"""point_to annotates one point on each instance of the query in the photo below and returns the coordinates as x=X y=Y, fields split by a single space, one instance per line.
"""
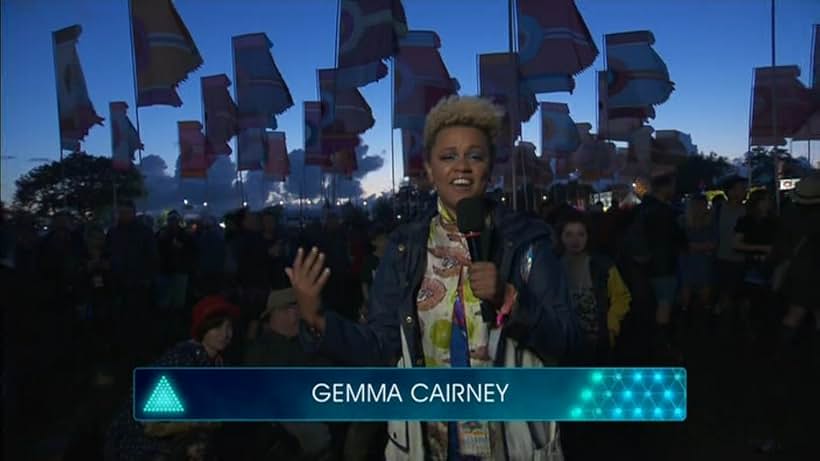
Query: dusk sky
x=710 y=47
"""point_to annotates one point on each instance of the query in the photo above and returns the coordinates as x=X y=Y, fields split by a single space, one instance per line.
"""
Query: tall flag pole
x=775 y=159
x=510 y=20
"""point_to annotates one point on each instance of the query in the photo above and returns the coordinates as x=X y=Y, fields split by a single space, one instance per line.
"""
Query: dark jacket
x=664 y=238
x=133 y=253
x=177 y=251
x=543 y=322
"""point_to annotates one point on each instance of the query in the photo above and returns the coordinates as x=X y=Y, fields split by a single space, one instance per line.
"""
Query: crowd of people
x=637 y=285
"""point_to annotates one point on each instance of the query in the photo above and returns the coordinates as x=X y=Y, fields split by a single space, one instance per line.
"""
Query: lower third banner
x=430 y=394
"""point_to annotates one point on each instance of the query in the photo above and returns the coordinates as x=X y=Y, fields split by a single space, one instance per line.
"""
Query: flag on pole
x=164 y=52
x=193 y=158
x=77 y=114
x=815 y=61
x=559 y=135
x=251 y=147
x=277 y=163
x=343 y=108
x=412 y=144
x=619 y=123
x=554 y=44
x=421 y=79
x=220 y=113
x=343 y=163
x=124 y=137
x=795 y=105
x=369 y=31
x=637 y=76
x=261 y=91
x=313 y=133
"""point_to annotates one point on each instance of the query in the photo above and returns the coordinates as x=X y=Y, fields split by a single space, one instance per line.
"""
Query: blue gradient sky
x=710 y=47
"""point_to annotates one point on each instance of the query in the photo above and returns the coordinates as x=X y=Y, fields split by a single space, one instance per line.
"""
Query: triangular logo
x=163 y=399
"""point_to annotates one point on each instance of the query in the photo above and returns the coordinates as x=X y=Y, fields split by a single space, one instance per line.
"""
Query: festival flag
x=313 y=133
x=193 y=158
x=412 y=143
x=252 y=143
x=77 y=114
x=795 y=105
x=553 y=45
x=124 y=137
x=594 y=160
x=559 y=135
x=369 y=31
x=815 y=61
x=498 y=76
x=637 y=76
x=343 y=108
x=277 y=163
x=421 y=79
x=261 y=92
x=343 y=163
x=164 y=52
x=220 y=113
x=618 y=123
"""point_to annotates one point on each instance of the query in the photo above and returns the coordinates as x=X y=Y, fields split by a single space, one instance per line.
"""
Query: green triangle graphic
x=163 y=399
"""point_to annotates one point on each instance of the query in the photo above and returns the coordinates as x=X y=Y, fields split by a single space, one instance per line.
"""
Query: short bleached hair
x=468 y=111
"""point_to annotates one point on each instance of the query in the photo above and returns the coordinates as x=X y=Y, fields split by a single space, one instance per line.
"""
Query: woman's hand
x=486 y=284
x=307 y=277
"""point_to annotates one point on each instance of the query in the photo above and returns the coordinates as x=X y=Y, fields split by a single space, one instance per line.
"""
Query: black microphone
x=471 y=215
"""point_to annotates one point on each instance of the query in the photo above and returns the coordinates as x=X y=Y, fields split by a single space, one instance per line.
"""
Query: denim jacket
x=543 y=321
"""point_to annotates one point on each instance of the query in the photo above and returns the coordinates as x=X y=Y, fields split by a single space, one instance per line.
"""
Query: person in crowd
x=60 y=258
x=248 y=252
x=132 y=252
x=210 y=243
x=98 y=289
x=597 y=292
x=278 y=346
x=697 y=259
x=797 y=253
x=212 y=323
x=424 y=309
x=337 y=294
x=729 y=260
x=277 y=250
x=177 y=253
x=754 y=238
x=378 y=244
x=663 y=239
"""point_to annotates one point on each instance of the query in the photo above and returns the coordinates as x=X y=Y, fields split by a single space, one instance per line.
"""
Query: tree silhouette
x=701 y=171
x=80 y=182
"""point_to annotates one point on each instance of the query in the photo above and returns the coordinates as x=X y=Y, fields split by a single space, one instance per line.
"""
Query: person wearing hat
x=797 y=248
x=211 y=333
x=177 y=255
x=278 y=346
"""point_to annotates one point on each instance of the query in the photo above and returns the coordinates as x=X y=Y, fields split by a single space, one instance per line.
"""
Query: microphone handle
x=488 y=313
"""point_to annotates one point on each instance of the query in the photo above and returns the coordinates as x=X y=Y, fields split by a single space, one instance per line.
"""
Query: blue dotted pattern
x=163 y=399
x=630 y=394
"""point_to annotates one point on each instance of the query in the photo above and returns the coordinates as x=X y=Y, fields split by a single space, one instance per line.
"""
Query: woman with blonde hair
x=424 y=309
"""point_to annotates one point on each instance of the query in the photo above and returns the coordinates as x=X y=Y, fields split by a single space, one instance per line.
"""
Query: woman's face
x=574 y=238
x=218 y=339
x=459 y=164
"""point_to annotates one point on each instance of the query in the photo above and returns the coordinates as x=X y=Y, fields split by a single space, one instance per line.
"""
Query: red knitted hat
x=210 y=307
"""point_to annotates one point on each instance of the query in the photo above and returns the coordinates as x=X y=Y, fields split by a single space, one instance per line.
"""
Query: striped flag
x=124 y=137
x=164 y=51
x=193 y=158
x=220 y=113
x=261 y=91
x=277 y=163
x=77 y=114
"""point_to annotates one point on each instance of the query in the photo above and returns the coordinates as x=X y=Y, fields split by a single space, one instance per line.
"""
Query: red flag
x=344 y=108
x=277 y=163
x=637 y=74
x=499 y=81
x=77 y=114
x=421 y=79
x=342 y=163
x=412 y=142
x=251 y=144
x=618 y=124
x=559 y=135
x=369 y=31
x=164 y=51
x=193 y=159
x=220 y=113
x=794 y=105
x=313 y=133
x=553 y=44
x=261 y=91
x=124 y=137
